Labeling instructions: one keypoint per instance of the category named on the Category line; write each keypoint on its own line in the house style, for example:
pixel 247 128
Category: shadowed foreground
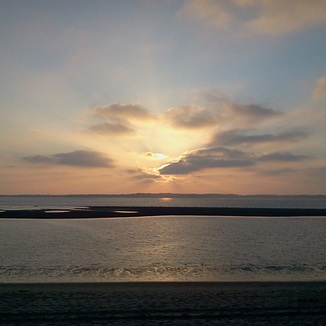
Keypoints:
pixel 123 211
pixel 266 303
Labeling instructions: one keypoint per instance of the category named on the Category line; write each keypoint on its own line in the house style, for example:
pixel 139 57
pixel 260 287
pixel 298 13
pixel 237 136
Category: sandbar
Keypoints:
pixel 134 211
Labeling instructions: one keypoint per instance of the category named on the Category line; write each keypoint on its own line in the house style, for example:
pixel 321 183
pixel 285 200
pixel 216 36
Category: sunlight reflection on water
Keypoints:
pixel 166 199
pixel 165 248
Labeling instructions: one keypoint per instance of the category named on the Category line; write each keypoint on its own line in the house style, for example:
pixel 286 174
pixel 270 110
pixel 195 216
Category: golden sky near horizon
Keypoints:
pixel 185 96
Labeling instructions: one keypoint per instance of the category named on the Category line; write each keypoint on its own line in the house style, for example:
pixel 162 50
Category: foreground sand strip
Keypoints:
pixel 275 303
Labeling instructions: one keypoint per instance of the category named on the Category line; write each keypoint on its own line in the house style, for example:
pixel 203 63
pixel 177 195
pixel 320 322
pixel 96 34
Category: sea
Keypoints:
pixel 162 248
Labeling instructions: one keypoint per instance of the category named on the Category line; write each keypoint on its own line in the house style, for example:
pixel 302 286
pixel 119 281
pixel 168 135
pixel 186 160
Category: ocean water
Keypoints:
pixel 163 248
pixel 72 201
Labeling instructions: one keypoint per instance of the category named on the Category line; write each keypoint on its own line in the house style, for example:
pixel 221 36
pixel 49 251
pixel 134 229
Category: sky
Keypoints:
pixel 182 96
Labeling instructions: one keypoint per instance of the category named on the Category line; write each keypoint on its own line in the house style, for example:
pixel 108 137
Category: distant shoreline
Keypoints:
pixel 137 211
pixel 169 195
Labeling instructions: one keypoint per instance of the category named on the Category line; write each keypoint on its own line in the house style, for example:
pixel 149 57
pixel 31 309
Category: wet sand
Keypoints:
pixel 165 303
pixel 121 211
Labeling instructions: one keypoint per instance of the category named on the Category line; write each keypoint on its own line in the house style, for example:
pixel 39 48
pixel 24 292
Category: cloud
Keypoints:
pixel 216 13
pixel 224 157
pixel 80 158
pixel 123 111
pixel 118 118
pixel 269 17
pixel 283 156
pixel 201 159
pixel 193 164
pixel 223 151
pixel 238 137
pixel 191 117
pixel 216 113
pixel 279 16
pixel 111 128
pixel 145 175
pixel 226 152
pixel 254 111
pixel 319 91
pixel 38 159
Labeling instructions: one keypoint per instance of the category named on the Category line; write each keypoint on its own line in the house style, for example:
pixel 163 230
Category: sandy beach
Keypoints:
pixel 165 303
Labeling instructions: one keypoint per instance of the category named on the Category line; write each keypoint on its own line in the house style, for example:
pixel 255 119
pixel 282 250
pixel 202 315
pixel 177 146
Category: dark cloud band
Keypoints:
pixel 81 158
pixel 223 157
pixel 238 137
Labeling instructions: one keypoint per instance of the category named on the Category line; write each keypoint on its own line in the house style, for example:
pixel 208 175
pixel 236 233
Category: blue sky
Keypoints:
pixel 154 96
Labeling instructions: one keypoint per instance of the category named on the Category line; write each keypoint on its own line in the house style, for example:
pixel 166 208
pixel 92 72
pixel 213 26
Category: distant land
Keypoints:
pixel 170 195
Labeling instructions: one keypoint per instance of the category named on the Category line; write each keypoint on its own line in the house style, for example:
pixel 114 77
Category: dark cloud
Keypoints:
pixel 81 158
pixel 117 119
pixel 216 111
pixel 111 128
pixel 224 157
pixel 191 117
pixel 201 159
pixel 283 156
pixel 193 164
pixel 237 137
pixel 38 159
pixel 144 176
pixel 254 111
pixel 226 152
pixel 123 111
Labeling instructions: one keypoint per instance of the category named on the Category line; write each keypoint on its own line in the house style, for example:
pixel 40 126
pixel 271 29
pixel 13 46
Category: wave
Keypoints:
pixel 247 272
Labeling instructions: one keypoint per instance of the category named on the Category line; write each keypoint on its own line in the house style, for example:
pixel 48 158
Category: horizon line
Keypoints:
pixel 154 194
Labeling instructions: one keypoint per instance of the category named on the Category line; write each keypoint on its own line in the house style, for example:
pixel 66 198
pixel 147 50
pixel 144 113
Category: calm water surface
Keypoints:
pixel 37 202
pixel 166 248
